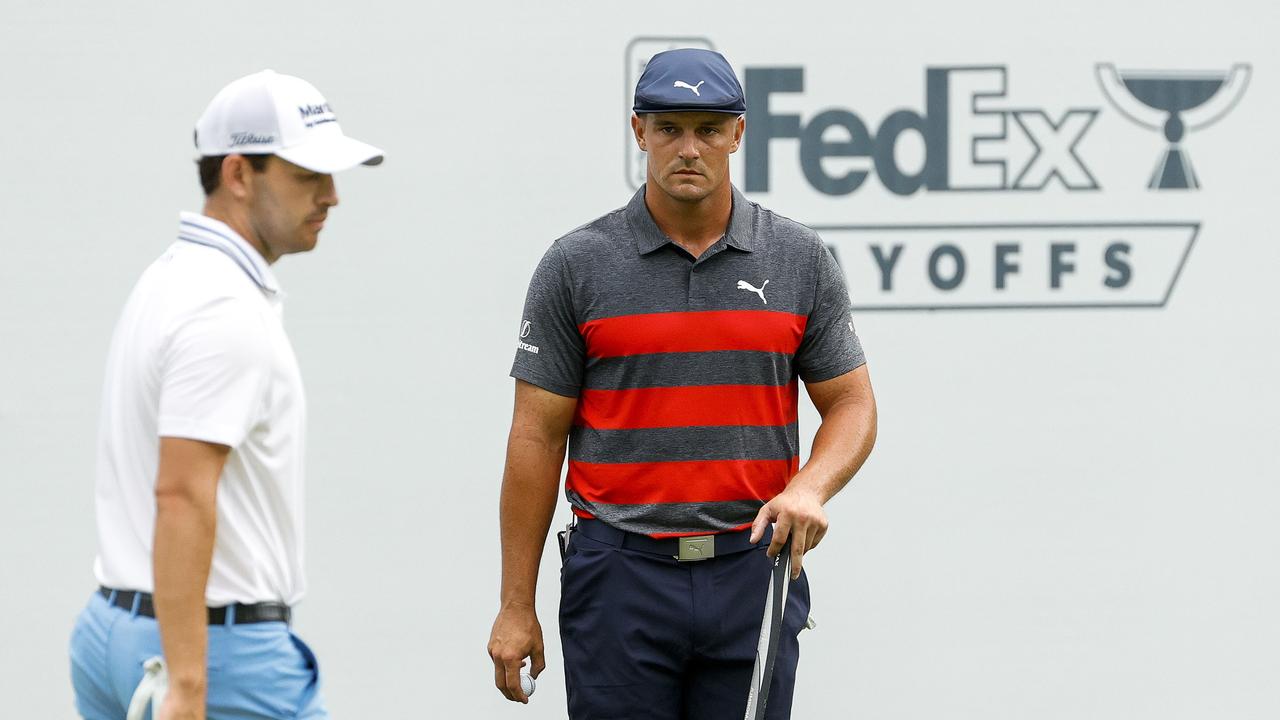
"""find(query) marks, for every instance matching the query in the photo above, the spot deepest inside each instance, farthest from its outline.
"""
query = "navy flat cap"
(689, 80)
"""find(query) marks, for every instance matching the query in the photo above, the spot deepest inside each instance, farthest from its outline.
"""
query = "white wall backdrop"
(1071, 513)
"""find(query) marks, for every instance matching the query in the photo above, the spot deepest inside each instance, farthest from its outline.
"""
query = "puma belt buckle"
(698, 547)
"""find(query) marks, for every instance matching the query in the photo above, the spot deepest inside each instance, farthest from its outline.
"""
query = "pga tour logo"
(977, 138)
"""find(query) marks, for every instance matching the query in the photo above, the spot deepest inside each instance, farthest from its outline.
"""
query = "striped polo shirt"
(685, 369)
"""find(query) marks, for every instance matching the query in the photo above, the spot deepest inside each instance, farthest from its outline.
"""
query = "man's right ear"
(235, 176)
(637, 127)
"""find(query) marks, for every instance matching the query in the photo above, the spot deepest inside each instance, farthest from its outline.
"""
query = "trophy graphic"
(1175, 102)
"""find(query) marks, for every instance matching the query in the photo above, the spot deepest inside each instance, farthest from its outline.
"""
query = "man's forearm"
(528, 502)
(840, 447)
(181, 557)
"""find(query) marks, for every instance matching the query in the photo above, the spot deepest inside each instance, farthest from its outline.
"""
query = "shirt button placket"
(696, 297)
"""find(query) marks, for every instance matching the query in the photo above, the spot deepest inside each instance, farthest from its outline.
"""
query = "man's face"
(688, 151)
(288, 206)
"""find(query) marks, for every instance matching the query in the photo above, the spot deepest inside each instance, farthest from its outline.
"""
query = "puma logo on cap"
(694, 88)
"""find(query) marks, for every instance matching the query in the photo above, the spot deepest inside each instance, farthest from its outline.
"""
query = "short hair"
(211, 169)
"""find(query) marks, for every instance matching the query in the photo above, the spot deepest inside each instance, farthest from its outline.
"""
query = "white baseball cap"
(268, 113)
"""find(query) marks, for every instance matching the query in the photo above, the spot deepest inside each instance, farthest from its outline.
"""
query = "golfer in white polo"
(200, 453)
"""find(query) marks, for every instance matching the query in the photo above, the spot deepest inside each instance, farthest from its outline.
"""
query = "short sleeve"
(550, 351)
(830, 346)
(213, 374)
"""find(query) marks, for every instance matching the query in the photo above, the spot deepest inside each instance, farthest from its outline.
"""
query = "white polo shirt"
(200, 352)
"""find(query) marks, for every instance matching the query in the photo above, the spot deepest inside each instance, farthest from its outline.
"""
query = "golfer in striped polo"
(662, 344)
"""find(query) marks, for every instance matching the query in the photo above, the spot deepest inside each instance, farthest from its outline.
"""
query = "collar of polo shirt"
(217, 235)
(649, 237)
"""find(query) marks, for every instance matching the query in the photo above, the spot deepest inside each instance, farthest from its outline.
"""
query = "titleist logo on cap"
(248, 138)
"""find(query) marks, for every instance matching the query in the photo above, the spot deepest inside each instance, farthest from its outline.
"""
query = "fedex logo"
(973, 139)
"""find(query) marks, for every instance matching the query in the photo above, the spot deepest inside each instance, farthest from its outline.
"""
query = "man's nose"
(328, 192)
(689, 147)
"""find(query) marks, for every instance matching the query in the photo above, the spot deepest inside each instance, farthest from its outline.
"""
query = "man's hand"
(516, 635)
(798, 515)
(181, 705)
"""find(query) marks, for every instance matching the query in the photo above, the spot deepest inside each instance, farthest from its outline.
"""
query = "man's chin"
(687, 190)
(306, 243)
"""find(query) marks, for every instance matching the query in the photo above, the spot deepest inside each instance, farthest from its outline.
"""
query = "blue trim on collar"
(231, 242)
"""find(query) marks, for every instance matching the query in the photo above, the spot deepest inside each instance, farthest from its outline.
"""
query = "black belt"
(687, 548)
(241, 614)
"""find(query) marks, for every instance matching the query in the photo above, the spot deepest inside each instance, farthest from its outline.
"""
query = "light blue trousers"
(259, 671)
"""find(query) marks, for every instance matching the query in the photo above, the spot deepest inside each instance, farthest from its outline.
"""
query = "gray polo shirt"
(685, 369)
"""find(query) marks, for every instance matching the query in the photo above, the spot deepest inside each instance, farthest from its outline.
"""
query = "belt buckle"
(698, 547)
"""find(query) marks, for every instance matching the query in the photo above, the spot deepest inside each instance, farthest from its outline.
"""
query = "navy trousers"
(648, 638)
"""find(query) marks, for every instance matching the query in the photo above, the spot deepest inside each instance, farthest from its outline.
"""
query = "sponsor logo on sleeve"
(525, 328)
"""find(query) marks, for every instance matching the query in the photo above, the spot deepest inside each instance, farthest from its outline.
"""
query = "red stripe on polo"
(697, 406)
(679, 482)
(701, 331)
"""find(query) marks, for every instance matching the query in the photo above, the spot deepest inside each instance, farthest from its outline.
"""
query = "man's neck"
(239, 222)
(694, 226)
